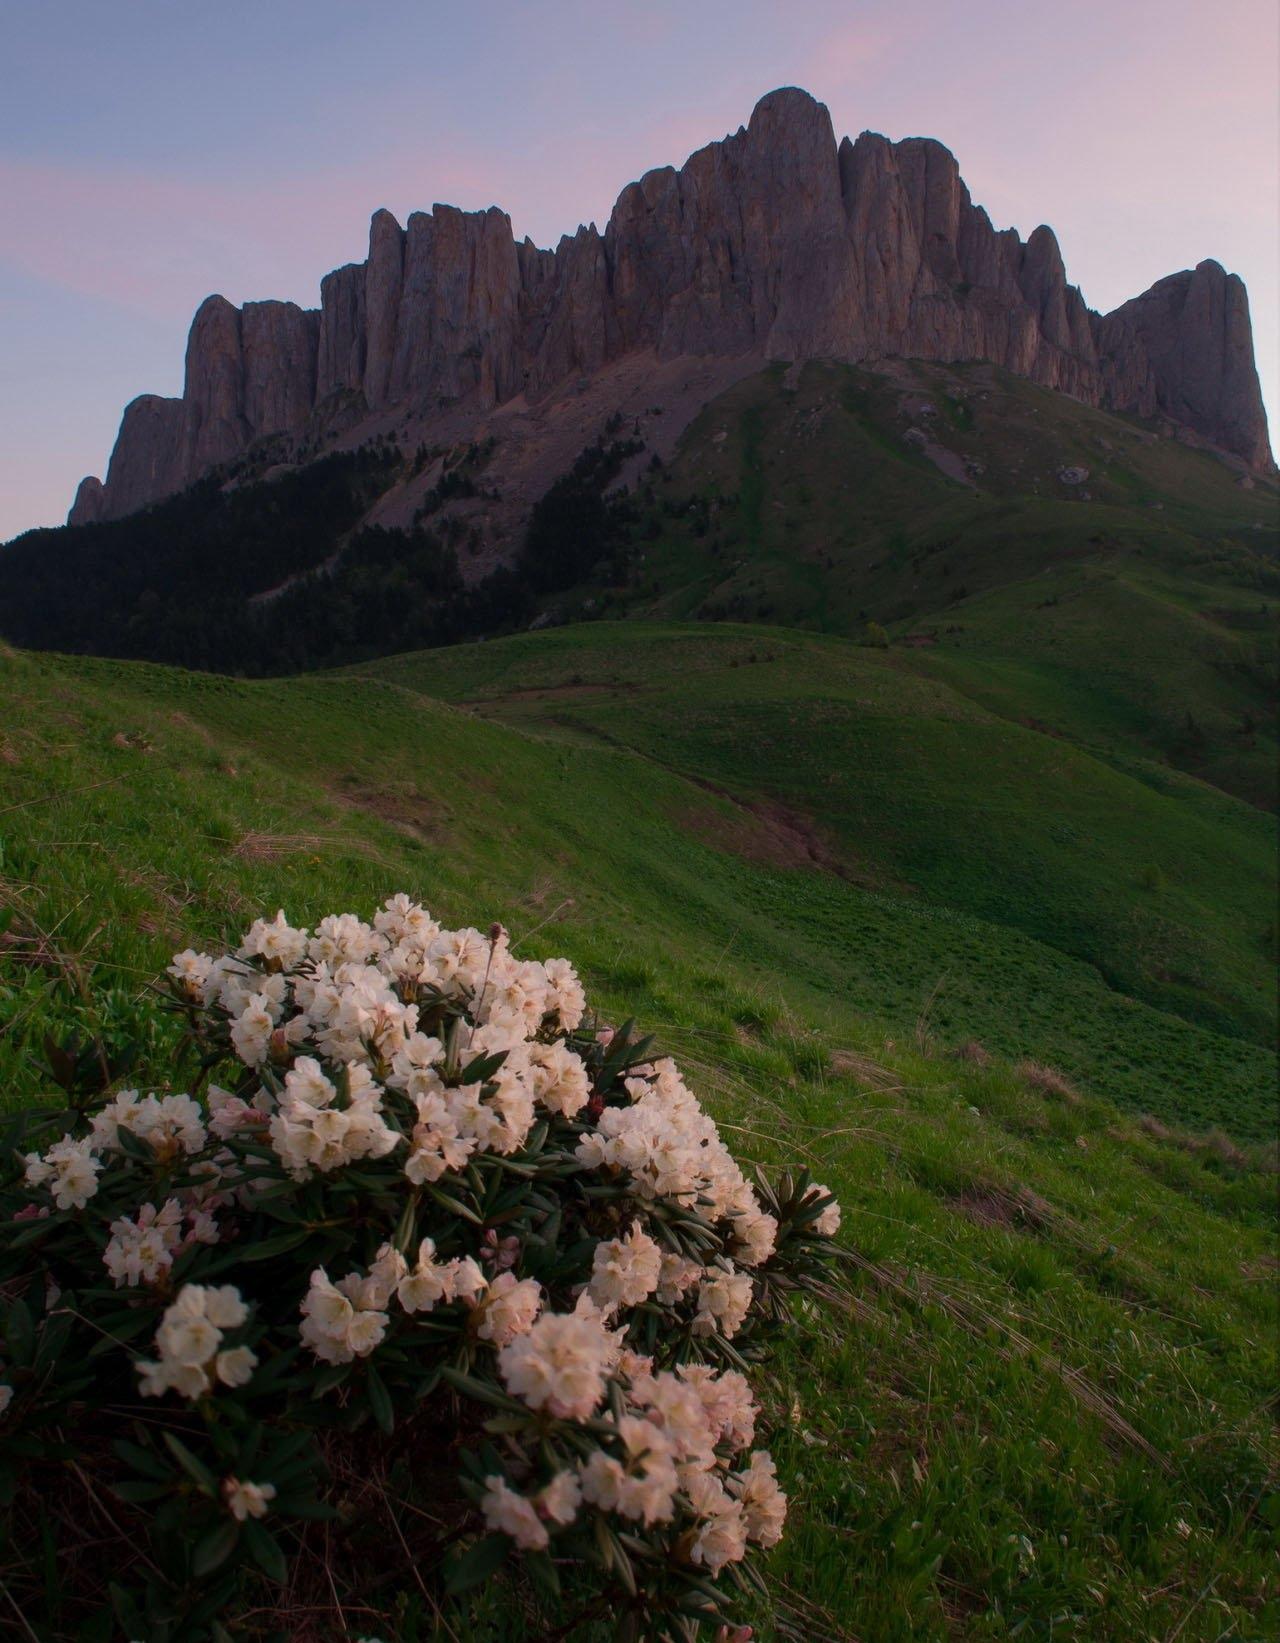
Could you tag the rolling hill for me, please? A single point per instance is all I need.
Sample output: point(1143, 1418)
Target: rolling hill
point(1044, 1407)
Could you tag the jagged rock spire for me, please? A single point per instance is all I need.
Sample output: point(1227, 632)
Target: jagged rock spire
point(774, 241)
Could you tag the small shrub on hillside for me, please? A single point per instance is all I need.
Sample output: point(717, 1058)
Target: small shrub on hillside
point(422, 1250)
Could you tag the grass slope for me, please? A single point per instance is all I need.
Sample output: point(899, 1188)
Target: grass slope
point(1038, 1409)
point(1113, 920)
point(1135, 609)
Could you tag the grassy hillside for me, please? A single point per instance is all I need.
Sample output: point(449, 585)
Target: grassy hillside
point(1114, 919)
point(1038, 1406)
point(1134, 609)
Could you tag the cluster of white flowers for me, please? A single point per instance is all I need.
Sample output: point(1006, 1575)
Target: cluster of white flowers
point(309, 1130)
point(189, 1341)
point(625, 1271)
point(142, 1249)
point(671, 1149)
point(342, 993)
point(560, 1363)
point(431, 1054)
point(665, 1456)
point(69, 1170)
point(168, 1124)
point(724, 1299)
point(348, 1319)
point(525, 1519)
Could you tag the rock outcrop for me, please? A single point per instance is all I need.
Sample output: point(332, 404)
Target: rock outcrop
point(1184, 349)
point(775, 241)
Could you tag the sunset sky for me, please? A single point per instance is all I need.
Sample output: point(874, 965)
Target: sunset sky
point(153, 151)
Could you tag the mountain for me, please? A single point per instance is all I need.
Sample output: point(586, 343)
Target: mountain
point(774, 244)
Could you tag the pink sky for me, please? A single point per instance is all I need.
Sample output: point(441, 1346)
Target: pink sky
point(143, 168)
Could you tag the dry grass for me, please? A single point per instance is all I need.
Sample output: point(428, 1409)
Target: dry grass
point(1046, 1080)
point(915, 1288)
point(977, 1054)
point(271, 847)
point(993, 1204)
point(851, 1064)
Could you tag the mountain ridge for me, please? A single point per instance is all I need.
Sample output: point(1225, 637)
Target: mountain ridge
point(775, 241)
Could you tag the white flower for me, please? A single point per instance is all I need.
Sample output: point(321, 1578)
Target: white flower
point(458, 961)
point(755, 1235)
point(511, 1514)
point(676, 1408)
point(722, 1538)
point(305, 1082)
point(343, 939)
point(565, 997)
point(431, 1281)
point(189, 1341)
point(726, 1397)
point(6, 1397)
point(764, 1505)
point(252, 1029)
point(559, 1364)
point(625, 1271)
point(340, 1321)
point(559, 1078)
point(247, 1500)
point(169, 1124)
point(468, 1280)
point(561, 1498)
point(68, 1169)
point(507, 1308)
point(281, 946)
point(235, 1367)
point(828, 1223)
point(309, 1133)
point(724, 1299)
point(229, 1114)
point(191, 970)
point(142, 1251)
point(404, 920)
point(643, 1486)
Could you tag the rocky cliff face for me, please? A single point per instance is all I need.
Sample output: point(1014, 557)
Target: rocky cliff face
point(775, 241)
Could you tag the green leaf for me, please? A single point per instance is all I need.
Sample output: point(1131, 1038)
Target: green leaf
point(278, 1245)
point(482, 1069)
point(213, 1550)
point(138, 1493)
point(195, 1469)
point(266, 1553)
point(478, 1390)
point(543, 1572)
point(133, 1146)
point(21, 1335)
point(405, 1227)
point(380, 1401)
point(455, 1206)
point(477, 1563)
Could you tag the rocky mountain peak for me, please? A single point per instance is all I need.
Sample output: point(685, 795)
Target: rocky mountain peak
point(774, 242)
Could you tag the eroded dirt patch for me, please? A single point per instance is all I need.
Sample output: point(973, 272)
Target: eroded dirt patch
point(768, 833)
point(403, 806)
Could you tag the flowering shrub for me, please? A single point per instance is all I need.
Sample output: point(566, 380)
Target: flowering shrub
point(417, 1210)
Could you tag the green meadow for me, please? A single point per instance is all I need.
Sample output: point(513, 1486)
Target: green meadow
point(1003, 990)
